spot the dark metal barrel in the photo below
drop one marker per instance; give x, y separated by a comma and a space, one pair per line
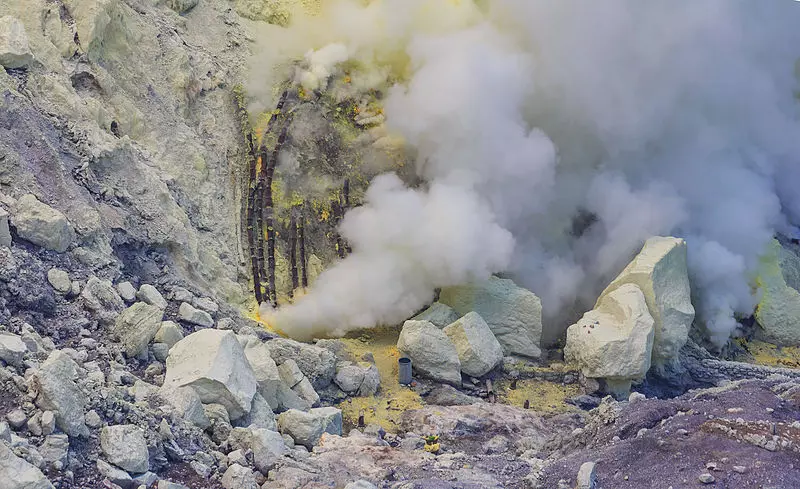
404, 370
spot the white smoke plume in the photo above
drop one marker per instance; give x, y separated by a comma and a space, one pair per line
660, 118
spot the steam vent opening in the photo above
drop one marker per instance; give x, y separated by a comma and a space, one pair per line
399, 244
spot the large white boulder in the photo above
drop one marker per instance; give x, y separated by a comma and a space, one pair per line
136, 327
16, 473
14, 49
659, 270
513, 314
306, 428
430, 350
55, 384
778, 312
268, 447
213, 363
478, 349
614, 341
42, 225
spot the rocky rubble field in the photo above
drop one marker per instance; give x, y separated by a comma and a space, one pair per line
128, 358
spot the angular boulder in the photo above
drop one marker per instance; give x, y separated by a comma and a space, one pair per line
317, 364
19, 474
478, 350
42, 225
187, 405
268, 447
5, 231
431, 351
306, 428
12, 349
188, 313
169, 333
659, 270
58, 391
149, 294
136, 327
439, 314
614, 341
239, 477
514, 314
100, 297
213, 363
60, 281
266, 372
126, 447
260, 415
15, 52
778, 311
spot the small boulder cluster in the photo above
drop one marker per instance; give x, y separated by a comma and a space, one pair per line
471, 329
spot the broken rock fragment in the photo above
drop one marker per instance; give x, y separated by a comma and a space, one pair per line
513, 314
478, 350
213, 363
614, 341
431, 351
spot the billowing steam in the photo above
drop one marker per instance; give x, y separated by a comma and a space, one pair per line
663, 117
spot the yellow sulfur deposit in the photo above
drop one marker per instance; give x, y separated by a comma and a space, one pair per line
543, 396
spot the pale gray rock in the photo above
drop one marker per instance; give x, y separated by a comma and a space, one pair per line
260, 415
160, 351
17, 418
5, 232
361, 484
191, 315
100, 297
136, 327
163, 484
126, 447
431, 352
614, 341
306, 391
206, 304
42, 225
317, 364
514, 314
15, 52
349, 378
115, 475
60, 280
149, 294
306, 428
148, 479
5, 432
265, 370
213, 363
238, 477
19, 474
12, 349
55, 449
478, 350
48, 422
586, 476
290, 373
660, 272
92, 419
439, 314
268, 447
187, 405
169, 333
179, 294
58, 391
127, 291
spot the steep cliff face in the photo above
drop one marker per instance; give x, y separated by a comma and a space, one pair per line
125, 121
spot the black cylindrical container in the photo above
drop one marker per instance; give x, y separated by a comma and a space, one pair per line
404, 370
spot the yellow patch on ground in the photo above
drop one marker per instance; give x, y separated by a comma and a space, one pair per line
763, 353
543, 396
393, 399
